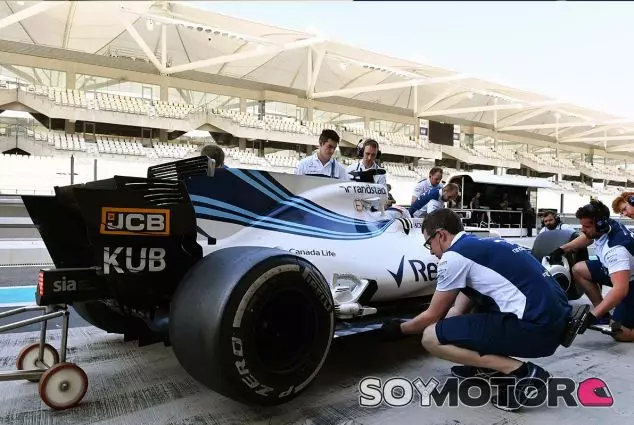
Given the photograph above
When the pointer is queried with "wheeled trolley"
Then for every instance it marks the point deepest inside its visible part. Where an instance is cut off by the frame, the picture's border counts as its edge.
(62, 384)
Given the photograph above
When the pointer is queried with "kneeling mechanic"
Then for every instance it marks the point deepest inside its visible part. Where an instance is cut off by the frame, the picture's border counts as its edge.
(613, 267)
(523, 311)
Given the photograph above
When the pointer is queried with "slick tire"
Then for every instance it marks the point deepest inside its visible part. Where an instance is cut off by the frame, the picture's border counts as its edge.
(254, 324)
(547, 242)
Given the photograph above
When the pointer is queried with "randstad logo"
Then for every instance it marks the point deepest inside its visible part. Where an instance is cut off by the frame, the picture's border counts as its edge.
(594, 392)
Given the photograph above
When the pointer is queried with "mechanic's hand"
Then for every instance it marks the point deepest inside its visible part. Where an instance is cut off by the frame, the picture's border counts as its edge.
(587, 321)
(556, 255)
(391, 330)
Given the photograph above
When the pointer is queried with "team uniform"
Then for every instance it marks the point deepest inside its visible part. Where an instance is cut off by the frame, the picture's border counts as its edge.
(615, 252)
(562, 226)
(312, 165)
(423, 186)
(379, 179)
(524, 311)
(427, 203)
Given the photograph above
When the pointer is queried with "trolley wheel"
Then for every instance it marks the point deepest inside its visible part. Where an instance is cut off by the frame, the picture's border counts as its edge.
(63, 386)
(27, 359)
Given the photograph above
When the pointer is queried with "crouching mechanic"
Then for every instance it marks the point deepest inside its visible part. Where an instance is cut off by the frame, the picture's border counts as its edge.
(434, 199)
(614, 267)
(523, 311)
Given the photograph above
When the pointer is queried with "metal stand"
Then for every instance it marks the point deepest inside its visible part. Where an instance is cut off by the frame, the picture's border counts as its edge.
(70, 383)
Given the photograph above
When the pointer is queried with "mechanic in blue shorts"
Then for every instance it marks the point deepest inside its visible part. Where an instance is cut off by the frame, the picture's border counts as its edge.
(523, 311)
(614, 267)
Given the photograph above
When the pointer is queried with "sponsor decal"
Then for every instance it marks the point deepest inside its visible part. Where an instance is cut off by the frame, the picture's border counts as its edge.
(122, 259)
(313, 252)
(367, 189)
(135, 221)
(65, 285)
(426, 272)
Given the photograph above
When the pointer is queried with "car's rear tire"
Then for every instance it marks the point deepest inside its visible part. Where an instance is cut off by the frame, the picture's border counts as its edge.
(547, 242)
(254, 324)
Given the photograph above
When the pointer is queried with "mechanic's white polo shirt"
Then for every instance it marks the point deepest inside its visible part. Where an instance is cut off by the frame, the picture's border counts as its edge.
(423, 186)
(312, 165)
(360, 167)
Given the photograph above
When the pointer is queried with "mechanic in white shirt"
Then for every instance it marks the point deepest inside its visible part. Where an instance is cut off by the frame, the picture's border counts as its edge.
(322, 162)
(614, 248)
(425, 185)
(434, 199)
(552, 221)
(368, 152)
(522, 310)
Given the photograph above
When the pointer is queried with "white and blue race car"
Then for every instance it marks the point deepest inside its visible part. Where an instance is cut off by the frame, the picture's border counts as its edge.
(248, 275)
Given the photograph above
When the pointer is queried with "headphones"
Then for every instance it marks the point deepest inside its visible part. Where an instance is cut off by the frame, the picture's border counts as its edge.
(363, 143)
(601, 223)
(630, 200)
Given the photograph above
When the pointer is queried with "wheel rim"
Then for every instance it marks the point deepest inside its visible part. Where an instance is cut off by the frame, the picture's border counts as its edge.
(29, 358)
(285, 329)
(63, 386)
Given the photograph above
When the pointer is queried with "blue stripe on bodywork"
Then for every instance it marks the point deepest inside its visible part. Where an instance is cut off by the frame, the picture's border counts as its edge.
(251, 198)
(222, 210)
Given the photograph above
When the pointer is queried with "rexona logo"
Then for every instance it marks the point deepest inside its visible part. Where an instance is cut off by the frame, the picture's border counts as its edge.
(122, 259)
(422, 271)
(135, 221)
(64, 285)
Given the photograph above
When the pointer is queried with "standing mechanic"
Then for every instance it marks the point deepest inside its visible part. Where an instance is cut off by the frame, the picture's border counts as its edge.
(524, 311)
(614, 267)
(368, 153)
(552, 221)
(434, 199)
(322, 162)
(425, 185)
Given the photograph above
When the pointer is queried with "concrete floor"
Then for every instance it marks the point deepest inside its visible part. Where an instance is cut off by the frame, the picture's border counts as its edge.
(146, 385)
(131, 385)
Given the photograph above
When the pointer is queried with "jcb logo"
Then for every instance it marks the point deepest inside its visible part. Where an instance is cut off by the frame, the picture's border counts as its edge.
(135, 221)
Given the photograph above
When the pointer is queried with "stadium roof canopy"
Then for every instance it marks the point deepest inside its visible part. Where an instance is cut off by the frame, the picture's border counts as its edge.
(179, 38)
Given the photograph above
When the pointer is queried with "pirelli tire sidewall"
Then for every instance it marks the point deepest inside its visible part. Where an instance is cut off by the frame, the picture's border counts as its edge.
(249, 378)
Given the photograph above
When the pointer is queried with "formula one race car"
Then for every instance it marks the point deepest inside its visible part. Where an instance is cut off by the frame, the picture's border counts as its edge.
(247, 275)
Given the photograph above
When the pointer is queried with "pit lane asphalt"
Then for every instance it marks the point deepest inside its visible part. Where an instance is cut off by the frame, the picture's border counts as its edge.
(133, 385)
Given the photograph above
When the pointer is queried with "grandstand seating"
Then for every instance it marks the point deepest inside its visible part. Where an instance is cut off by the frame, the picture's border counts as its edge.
(113, 146)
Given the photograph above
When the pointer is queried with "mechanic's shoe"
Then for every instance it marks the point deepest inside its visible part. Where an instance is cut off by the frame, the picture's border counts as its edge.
(531, 380)
(464, 372)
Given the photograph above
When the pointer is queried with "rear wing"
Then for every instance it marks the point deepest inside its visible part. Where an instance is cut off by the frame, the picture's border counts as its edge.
(180, 170)
(136, 235)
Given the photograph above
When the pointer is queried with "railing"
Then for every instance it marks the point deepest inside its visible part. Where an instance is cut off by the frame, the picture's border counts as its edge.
(480, 211)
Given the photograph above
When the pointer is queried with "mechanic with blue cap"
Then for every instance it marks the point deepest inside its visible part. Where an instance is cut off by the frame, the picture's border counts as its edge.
(613, 267)
(434, 199)
(323, 162)
(523, 311)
